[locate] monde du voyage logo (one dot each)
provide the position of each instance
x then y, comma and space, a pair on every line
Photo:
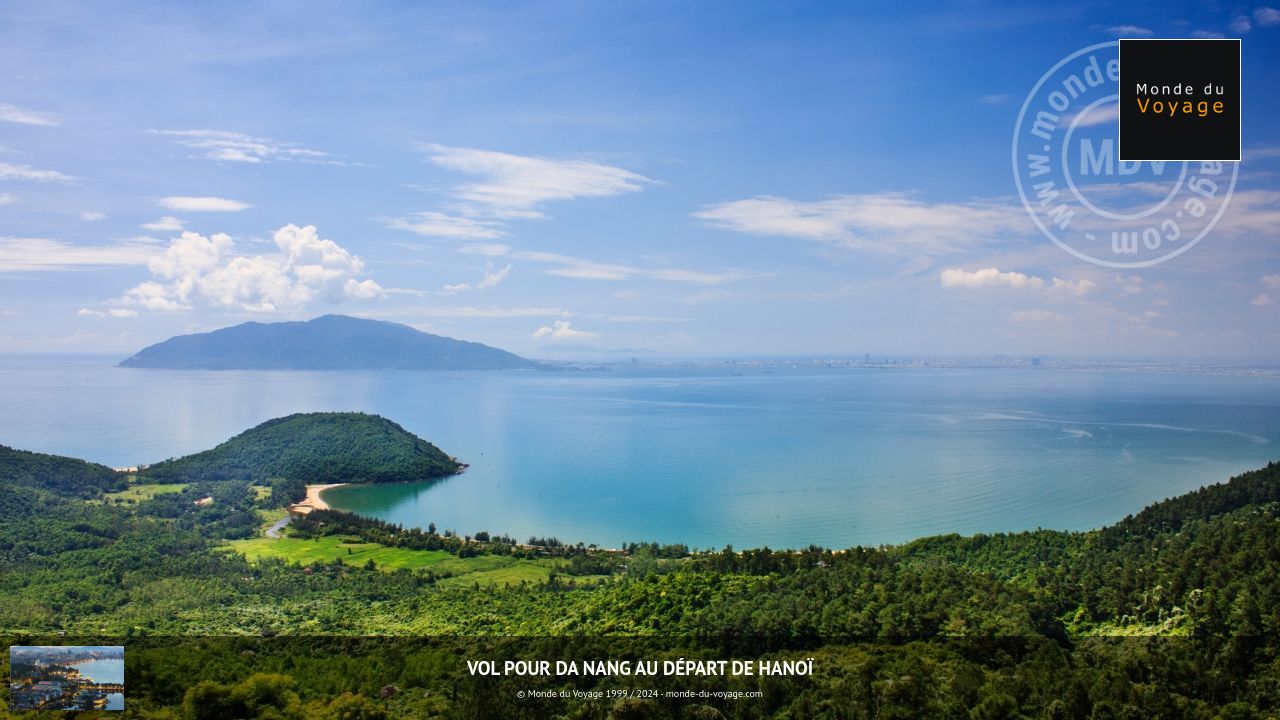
1174, 181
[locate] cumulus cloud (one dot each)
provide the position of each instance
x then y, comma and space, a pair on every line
561, 330
43, 255
237, 147
1240, 24
994, 277
879, 222
202, 204
92, 216
1262, 300
168, 223
23, 172
199, 270
15, 114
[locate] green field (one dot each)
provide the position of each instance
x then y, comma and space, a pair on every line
483, 569
139, 493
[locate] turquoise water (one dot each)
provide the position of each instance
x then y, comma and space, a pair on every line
705, 456
108, 670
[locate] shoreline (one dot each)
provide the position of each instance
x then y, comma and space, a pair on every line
313, 500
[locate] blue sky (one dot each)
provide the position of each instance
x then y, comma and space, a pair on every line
564, 178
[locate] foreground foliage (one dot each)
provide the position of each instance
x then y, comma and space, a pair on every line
1173, 612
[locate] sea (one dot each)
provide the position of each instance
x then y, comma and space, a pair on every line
748, 456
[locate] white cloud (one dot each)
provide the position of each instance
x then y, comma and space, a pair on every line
1266, 16
203, 204
115, 312
1130, 31
1271, 281
880, 222
1240, 24
1105, 114
1036, 317
437, 224
15, 114
168, 223
42, 255
24, 172
1262, 152
7, 199
561, 330
1207, 35
996, 99
92, 216
1131, 284
198, 270
485, 249
581, 269
515, 186
1262, 300
994, 277
237, 147
491, 278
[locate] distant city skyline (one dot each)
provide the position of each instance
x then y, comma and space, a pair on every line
565, 179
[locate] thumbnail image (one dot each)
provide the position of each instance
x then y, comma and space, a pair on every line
70, 677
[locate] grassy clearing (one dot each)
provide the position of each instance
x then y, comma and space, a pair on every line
484, 569
139, 493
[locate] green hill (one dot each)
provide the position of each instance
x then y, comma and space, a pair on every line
329, 447
61, 475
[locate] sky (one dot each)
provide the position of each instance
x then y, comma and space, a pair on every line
573, 179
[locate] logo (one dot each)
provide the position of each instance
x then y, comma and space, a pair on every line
1107, 211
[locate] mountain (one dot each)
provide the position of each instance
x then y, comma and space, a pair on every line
329, 447
331, 342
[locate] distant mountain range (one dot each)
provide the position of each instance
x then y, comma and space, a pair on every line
330, 342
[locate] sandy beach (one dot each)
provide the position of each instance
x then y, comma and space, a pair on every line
313, 501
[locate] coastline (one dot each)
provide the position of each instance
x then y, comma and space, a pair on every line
313, 500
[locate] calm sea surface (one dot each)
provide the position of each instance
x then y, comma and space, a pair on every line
704, 456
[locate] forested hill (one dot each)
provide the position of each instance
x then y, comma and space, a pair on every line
330, 342
327, 447
62, 475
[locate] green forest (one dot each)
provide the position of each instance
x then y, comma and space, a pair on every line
1170, 613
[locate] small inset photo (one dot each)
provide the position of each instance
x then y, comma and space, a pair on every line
66, 677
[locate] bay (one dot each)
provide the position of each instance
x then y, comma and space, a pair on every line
704, 456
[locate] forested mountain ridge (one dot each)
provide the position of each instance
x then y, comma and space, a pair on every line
329, 342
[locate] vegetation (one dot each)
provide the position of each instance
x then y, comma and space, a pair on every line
294, 451
1171, 613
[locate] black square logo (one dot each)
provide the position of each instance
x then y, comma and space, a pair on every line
1180, 100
